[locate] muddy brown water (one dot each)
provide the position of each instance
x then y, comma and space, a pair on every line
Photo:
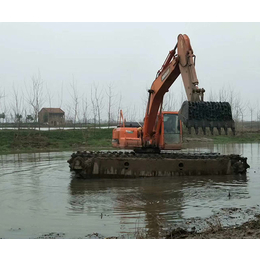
39, 199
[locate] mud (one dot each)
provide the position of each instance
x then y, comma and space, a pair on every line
248, 230
227, 223
209, 228
51, 235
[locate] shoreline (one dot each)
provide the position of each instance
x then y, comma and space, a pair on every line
249, 229
26, 141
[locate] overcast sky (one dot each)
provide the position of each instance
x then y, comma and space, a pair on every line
127, 57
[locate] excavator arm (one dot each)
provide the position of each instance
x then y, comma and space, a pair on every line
194, 112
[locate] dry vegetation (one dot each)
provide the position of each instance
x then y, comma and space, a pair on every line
250, 230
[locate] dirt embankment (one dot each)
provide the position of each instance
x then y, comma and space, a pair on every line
249, 230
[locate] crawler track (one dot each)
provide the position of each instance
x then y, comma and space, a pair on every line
90, 164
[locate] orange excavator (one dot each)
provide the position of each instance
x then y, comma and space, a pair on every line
163, 130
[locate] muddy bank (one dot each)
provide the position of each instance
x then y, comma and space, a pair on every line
218, 226
229, 224
249, 230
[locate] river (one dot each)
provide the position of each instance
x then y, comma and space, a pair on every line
38, 197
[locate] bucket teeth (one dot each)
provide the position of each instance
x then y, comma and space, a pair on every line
204, 115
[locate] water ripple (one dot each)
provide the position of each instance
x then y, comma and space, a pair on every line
38, 195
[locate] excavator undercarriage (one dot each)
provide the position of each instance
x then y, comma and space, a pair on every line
133, 165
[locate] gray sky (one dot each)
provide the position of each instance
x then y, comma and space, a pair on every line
126, 56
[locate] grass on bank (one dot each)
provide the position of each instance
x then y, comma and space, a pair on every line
245, 136
34, 140
31, 140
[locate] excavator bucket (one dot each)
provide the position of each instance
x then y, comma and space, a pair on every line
204, 115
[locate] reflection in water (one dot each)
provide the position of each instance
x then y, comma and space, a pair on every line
38, 196
154, 203
142, 203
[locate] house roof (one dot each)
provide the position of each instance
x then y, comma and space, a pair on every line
53, 110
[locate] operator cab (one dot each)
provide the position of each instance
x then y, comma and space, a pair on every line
172, 132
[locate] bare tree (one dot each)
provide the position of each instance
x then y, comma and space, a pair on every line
2, 94
97, 103
257, 115
85, 106
211, 96
110, 102
69, 114
75, 100
238, 106
251, 109
35, 96
50, 104
2, 106
17, 107
132, 113
239, 110
2, 116
183, 96
60, 96
169, 102
223, 95
144, 99
60, 99
94, 110
119, 107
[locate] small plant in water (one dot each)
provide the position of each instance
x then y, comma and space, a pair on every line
214, 225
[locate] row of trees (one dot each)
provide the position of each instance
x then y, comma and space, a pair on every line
101, 105
95, 105
14, 109
242, 110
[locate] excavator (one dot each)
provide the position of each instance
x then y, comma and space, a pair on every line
162, 131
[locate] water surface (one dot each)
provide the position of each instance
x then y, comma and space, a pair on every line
38, 197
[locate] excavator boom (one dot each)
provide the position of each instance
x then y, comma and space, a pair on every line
194, 112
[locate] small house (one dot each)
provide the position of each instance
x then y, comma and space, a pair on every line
51, 116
